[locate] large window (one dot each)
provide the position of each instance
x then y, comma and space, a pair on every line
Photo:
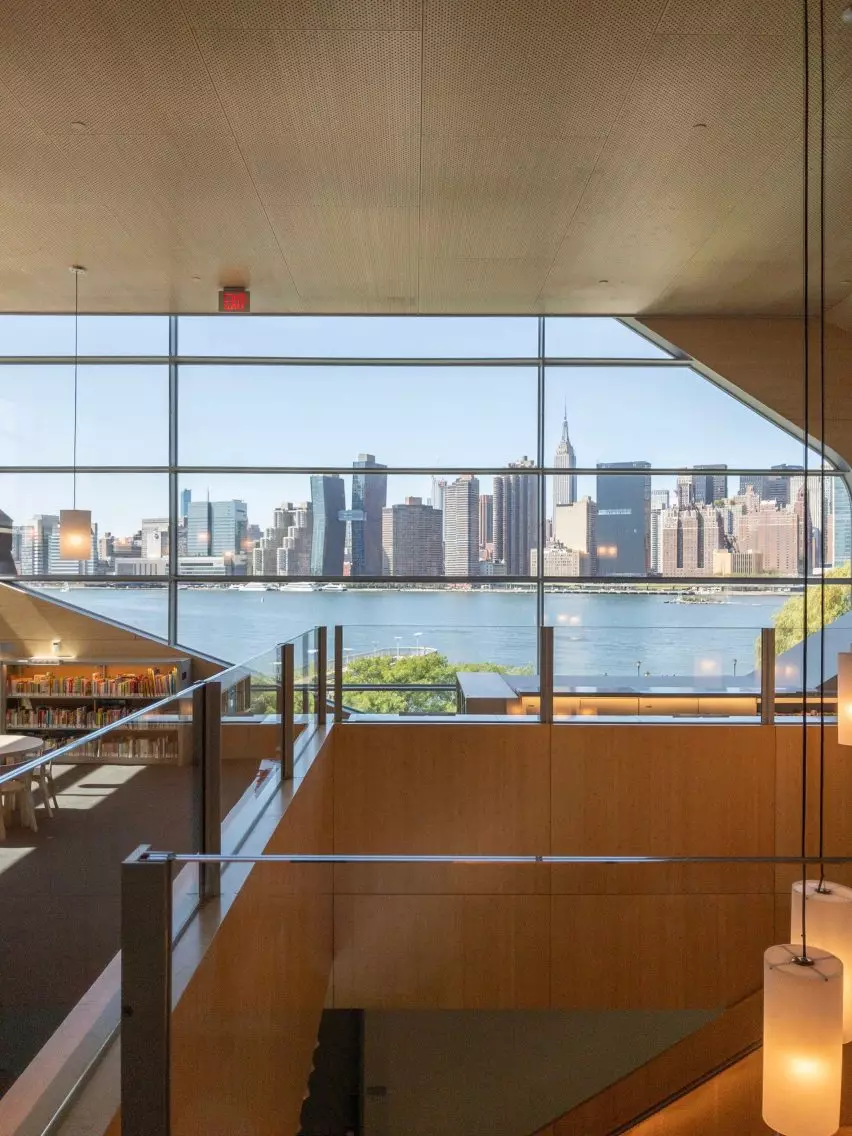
445, 482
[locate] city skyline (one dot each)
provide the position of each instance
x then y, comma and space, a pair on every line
232, 415
626, 528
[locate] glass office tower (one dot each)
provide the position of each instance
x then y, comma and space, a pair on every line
369, 497
328, 500
624, 520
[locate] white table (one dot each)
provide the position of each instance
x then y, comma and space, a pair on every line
18, 747
15, 748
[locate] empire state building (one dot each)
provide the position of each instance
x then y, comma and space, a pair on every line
565, 485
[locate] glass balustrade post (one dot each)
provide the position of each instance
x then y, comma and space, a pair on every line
288, 723
207, 765
306, 670
322, 674
545, 670
146, 992
338, 673
767, 676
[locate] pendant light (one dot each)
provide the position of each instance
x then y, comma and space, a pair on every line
75, 525
802, 1041
844, 698
803, 1006
829, 913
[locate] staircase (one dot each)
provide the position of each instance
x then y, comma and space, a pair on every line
332, 1106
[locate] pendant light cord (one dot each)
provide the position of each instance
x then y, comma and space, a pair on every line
806, 412
822, 424
76, 321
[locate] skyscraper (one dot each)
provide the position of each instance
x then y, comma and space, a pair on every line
328, 499
7, 564
216, 528
777, 487
461, 526
624, 507
709, 484
688, 539
486, 521
155, 538
565, 485
33, 543
185, 498
575, 527
412, 539
369, 497
293, 558
515, 518
199, 525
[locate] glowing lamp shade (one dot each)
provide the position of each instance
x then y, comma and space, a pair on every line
844, 698
802, 1041
75, 534
829, 925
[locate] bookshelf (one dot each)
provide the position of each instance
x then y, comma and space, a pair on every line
59, 700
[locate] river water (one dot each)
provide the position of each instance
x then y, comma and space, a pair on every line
599, 634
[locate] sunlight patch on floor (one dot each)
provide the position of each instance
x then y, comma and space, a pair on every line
95, 786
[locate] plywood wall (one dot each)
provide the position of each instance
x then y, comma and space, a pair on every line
566, 936
29, 623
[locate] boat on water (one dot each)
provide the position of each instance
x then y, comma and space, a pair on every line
299, 586
255, 586
333, 588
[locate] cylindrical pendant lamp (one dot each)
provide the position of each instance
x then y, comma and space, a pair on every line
802, 1041
844, 698
75, 534
829, 923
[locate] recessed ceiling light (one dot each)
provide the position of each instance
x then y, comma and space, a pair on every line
847, 15
78, 126
78, 269
196, 278
603, 282
699, 126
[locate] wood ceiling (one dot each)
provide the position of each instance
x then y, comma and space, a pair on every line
586, 156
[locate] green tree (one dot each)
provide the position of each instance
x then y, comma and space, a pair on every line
422, 669
789, 619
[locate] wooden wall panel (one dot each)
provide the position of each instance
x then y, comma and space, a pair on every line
29, 623
246, 1026
657, 951
442, 952
450, 788
838, 802
663, 790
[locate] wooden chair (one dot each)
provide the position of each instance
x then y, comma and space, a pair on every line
17, 792
43, 776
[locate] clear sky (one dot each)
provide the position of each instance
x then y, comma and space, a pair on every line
425, 417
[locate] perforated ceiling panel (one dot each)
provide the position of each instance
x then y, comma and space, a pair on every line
632, 156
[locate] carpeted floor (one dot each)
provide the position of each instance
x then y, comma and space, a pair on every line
59, 887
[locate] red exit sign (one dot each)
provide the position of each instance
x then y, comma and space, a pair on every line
234, 300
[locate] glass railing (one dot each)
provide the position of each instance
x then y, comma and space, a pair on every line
435, 671
192, 771
449, 936
619, 671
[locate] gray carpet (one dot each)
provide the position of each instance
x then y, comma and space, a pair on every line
59, 888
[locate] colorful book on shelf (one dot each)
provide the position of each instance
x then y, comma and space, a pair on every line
153, 683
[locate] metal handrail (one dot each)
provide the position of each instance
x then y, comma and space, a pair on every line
101, 731
153, 856
70, 747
